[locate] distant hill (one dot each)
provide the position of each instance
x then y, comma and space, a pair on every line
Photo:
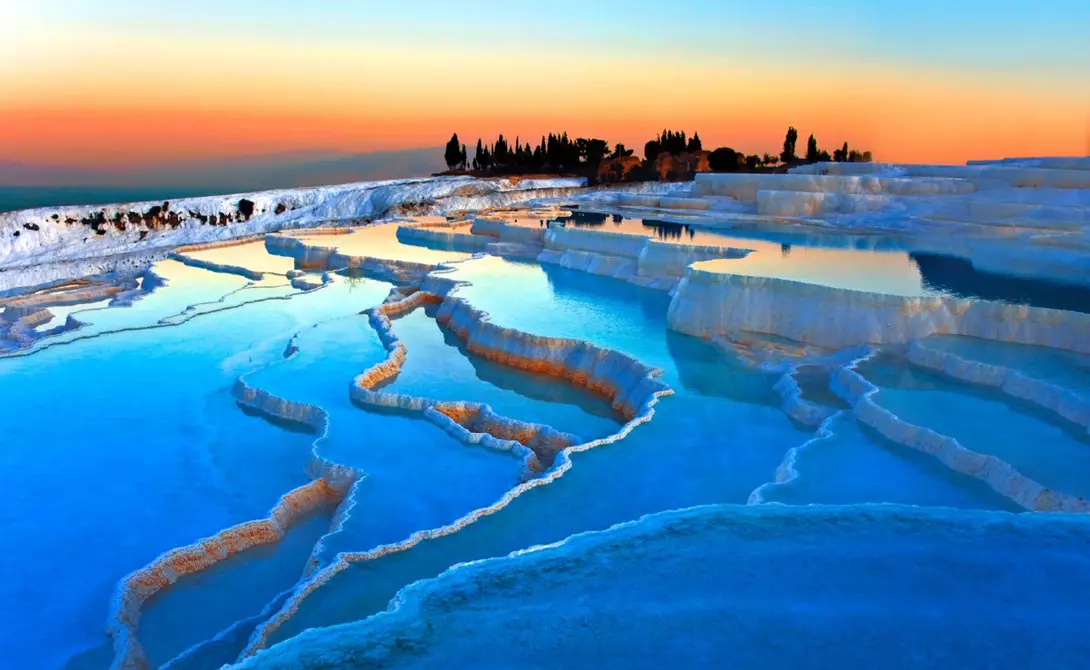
24, 185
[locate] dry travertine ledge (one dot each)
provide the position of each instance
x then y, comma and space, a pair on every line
630, 384
708, 303
996, 473
1062, 401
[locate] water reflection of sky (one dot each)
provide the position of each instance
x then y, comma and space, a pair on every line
251, 255
847, 267
380, 241
888, 272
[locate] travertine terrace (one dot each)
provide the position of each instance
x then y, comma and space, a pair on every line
282, 409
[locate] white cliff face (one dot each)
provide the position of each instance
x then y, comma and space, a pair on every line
708, 303
65, 233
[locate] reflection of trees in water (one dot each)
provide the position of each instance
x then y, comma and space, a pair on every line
667, 230
785, 250
618, 219
580, 219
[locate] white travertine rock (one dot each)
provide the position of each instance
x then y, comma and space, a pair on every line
746, 186
803, 203
983, 176
708, 303
50, 234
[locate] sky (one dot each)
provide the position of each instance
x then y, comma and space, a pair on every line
109, 83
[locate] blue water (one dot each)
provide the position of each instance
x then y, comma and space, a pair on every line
123, 440
1038, 444
106, 442
438, 367
859, 262
720, 437
769, 587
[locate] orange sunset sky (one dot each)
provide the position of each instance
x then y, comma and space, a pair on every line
112, 83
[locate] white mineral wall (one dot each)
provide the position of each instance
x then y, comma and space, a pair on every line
709, 303
982, 176
62, 233
745, 186
563, 238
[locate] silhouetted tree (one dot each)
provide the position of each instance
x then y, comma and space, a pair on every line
841, 155
725, 159
812, 153
788, 155
694, 143
478, 155
673, 142
752, 161
652, 149
859, 157
462, 157
453, 153
769, 159
619, 151
592, 151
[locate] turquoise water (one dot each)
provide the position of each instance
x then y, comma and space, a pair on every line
123, 440
722, 586
853, 465
1038, 444
438, 367
1065, 369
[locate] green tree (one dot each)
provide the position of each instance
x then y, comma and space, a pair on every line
453, 153
787, 157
